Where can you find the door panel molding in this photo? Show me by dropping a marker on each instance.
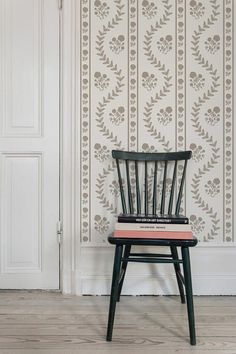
(22, 204)
(22, 108)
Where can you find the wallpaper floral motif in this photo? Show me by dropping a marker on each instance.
(157, 75)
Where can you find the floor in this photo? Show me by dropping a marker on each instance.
(51, 323)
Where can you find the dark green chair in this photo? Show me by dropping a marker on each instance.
(133, 164)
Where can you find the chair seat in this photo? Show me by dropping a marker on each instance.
(152, 242)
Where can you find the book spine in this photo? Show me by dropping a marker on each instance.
(152, 227)
(129, 219)
(154, 234)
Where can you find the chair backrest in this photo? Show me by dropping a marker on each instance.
(160, 164)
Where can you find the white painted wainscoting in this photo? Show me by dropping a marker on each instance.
(213, 272)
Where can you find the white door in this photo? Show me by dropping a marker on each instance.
(29, 144)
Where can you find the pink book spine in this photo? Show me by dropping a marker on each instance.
(187, 235)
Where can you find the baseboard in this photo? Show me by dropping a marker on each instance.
(208, 285)
(213, 273)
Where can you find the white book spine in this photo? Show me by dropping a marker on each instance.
(152, 227)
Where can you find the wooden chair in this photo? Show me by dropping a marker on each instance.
(131, 200)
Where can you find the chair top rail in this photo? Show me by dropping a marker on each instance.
(152, 156)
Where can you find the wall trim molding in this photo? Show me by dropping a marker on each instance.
(161, 285)
(209, 277)
(69, 139)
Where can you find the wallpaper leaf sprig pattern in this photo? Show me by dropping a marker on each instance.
(107, 62)
(196, 110)
(156, 64)
(116, 44)
(157, 76)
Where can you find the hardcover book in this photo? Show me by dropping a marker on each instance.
(150, 218)
(152, 226)
(172, 235)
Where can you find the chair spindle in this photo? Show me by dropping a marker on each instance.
(163, 196)
(122, 195)
(146, 190)
(154, 204)
(172, 190)
(138, 198)
(131, 207)
(181, 189)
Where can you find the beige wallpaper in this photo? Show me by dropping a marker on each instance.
(157, 75)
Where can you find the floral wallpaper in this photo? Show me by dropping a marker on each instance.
(157, 75)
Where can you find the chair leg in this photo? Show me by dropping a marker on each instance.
(123, 270)
(114, 290)
(174, 253)
(189, 294)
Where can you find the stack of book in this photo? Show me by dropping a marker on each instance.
(153, 226)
